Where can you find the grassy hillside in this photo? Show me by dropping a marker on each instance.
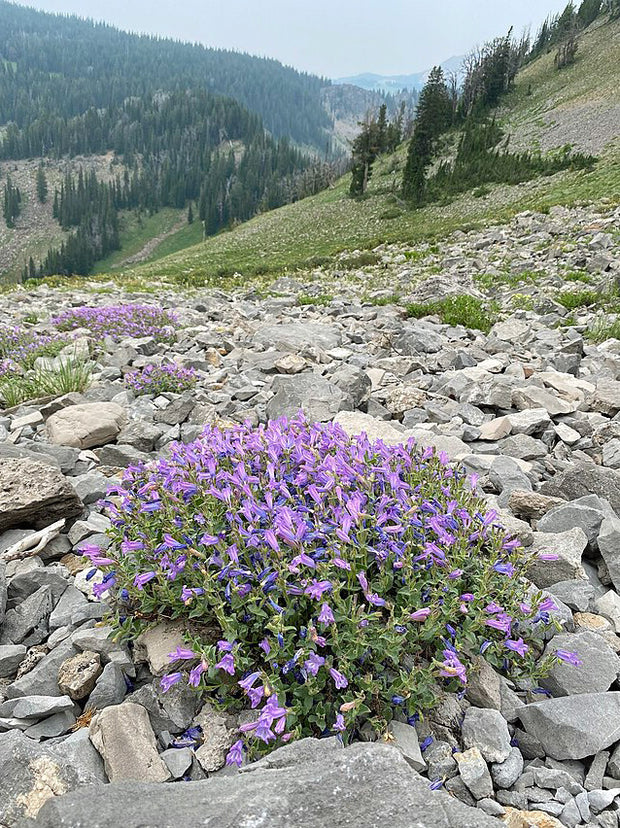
(582, 99)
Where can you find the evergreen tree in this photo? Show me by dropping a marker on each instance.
(190, 214)
(12, 202)
(588, 12)
(364, 150)
(433, 117)
(41, 184)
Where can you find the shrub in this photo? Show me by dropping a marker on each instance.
(465, 310)
(573, 299)
(119, 321)
(323, 580)
(320, 299)
(364, 259)
(158, 379)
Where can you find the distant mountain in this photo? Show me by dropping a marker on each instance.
(394, 83)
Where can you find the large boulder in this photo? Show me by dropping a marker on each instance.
(364, 785)
(33, 772)
(318, 398)
(298, 337)
(581, 479)
(574, 727)
(87, 425)
(34, 494)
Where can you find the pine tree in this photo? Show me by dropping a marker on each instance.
(433, 118)
(12, 202)
(41, 184)
(364, 151)
(190, 214)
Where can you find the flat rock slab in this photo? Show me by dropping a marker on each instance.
(364, 785)
(298, 336)
(34, 494)
(574, 727)
(87, 425)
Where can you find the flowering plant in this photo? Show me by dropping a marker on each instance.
(20, 347)
(119, 321)
(322, 580)
(157, 379)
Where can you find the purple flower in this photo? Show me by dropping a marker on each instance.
(317, 588)
(226, 663)
(326, 616)
(518, 646)
(235, 754)
(568, 657)
(196, 673)
(142, 579)
(504, 568)
(420, 615)
(249, 681)
(313, 663)
(265, 646)
(182, 653)
(548, 556)
(168, 681)
(339, 724)
(452, 667)
(339, 680)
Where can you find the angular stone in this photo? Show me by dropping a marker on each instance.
(110, 688)
(597, 673)
(53, 726)
(172, 710)
(33, 773)
(569, 546)
(78, 674)
(11, 656)
(483, 685)
(217, 739)
(534, 397)
(355, 423)
(86, 425)
(154, 644)
(178, 761)
(406, 740)
(608, 542)
(506, 773)
(34, 494)
(608, 605)
(320, 399)
(486, 730)
(529, 421)
(495, 429)
(474, 773)
(43, 678)
(606, 398)
(298, 337)
(574, 727)
(371, 781)
(581, 479)
(124, 738)
(28, 622)
(587, 513)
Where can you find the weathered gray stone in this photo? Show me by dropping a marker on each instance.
(124, 738)
(110, 688)
(86, 425)
(78, 674)
(34, 494)
(581, 479)
(32, 773)
(371, 781)
(569, 547)
(486, 730)
(154, 645)
(43, 678)
(474, 773)
(608, 542)
(11, 656)
(298, 337)
(574, 727)
(172, 710)
(217, 739)
(598, 671)
(506, 773)
(406, 740)
(28, 621)
(587, 513)
(35, 707)
(178, 761)
(320, 399)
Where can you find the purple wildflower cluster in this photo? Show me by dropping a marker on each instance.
(324, 580)
(20, 347)
(119, 321)
(158, 379)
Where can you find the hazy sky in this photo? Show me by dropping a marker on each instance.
(329, 37)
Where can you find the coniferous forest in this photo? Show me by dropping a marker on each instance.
(221, 129)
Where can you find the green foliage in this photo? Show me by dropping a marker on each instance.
(364, 259)
(605, 328)
(70, 375)
(12, 202)
(318, 299)
(465, 310)
(377, 137)
(41, 184)
(572, 299)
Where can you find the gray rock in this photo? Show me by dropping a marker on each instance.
(581, 479)
(574, 727)
(35, 495)
(78, 674)
(28, 621)
(406, 740)
(141, 435)
(43, 678)
(124, 738)
(578, 595)
(11, 656)
(172, 710)
(506, 773)
(474, 773)
(36, 707)
(177, 411)
(217, 739)
(596, 772)
(32, 773)
(71, 603)
(87, 425)
(440, 760)
(483, 685)
(354, 382)
(569, 546)
(608, 542)
(319, 399)
(53, 726)
(486, 730)
(27, 583)
(598, 672)
(91, 486)
(110, 688)
(587, 513)
(298, 337)
(608, 605)
(178, 761)
(371, 781)
(121, 456)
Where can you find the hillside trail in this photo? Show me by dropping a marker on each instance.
(150, 246)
